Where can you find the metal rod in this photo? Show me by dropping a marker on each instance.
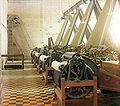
(74, 7)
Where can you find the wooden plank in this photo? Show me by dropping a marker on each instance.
(81, 83)
(63, 91)
(46, 75)
(15, 66)
(109, 74)
(109, 81)
(95, 91)
(11, 55)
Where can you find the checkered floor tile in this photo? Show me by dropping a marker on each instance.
(26, 88)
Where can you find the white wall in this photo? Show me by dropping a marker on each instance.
(3, 35)
(3, 26)
(30, 13)
(41, 18)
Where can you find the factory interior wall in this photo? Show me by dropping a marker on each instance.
(3, 37)
(3, 29)
(41, 18)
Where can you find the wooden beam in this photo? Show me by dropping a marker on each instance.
(68, 33)
(78, 38)
(102, 26)
(61, 33)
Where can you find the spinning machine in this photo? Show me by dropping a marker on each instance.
(75, 68)
(81, 61)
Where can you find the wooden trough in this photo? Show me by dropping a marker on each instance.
(109, 76)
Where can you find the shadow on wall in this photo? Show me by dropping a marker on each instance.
(19, 40)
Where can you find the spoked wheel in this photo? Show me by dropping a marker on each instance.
(80, 92)
(77, 72)
(77, 92)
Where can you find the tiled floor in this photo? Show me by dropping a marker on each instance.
(25, 88)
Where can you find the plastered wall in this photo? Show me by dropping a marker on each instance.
(41, 18)
(3, 35)
(3, 28)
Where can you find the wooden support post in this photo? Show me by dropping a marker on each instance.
(95, 91)
(63, 91)
(38, 66)
(46, 75)
(32, 59)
